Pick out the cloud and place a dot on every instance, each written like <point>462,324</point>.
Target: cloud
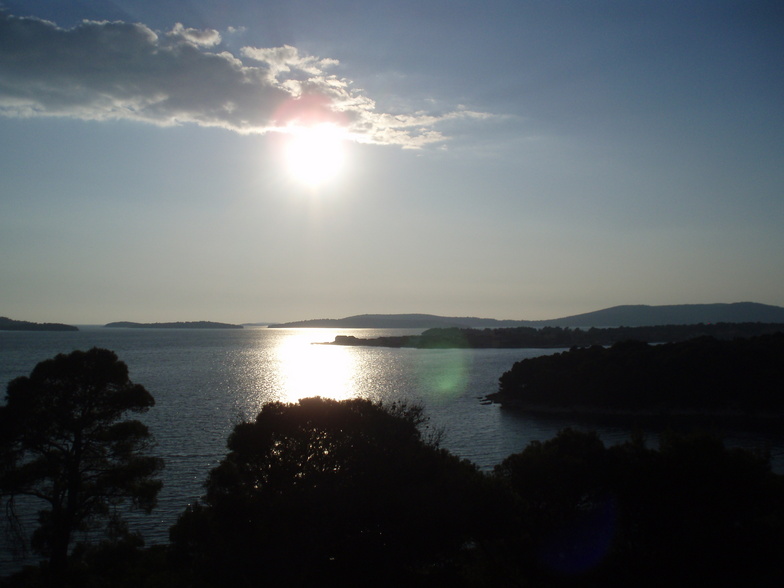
<point>287,58</point>
<point>118,70</point>
<point>206,38</point>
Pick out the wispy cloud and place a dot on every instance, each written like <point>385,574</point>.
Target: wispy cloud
<point>119,70</point>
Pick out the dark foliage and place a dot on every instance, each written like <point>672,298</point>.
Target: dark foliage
<point>63,443</point>
<point>690,513</point>
<point>744,376</point>
<point>560,337</point>
<point>352,493</point>
<point>326,492</point>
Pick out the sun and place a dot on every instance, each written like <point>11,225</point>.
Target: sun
<point>315,155</point>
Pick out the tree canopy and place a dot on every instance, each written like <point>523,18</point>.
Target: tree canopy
<point>744,376</point>
<point>322,491</point>
<point>63,442</point>
<point>354,493</point>
<point>692,511</point>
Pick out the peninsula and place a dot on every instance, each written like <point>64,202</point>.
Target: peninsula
<point>7,324</point>
<point>703,376</point>
<point>176,325</point>
<point>559,337</point>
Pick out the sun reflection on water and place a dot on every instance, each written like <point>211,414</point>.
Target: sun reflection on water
<point>284,365</point>
<point>308,370</point>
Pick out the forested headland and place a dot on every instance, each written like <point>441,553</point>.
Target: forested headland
<point>559,337</point>
<point>743,376</point>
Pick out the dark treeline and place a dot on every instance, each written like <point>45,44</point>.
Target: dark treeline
<point>556,337</point>
<point>353,493</point>
<point>689,513</point>
<point>742,376</point>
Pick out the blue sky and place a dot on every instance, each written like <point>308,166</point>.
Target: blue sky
<point>518,159</point>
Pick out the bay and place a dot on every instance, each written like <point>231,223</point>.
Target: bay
<point>206,381</point>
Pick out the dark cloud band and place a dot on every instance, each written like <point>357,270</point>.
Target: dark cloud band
<point>119,70</point>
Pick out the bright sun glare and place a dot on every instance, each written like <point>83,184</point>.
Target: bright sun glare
<point>315,155</point>
<point>315,370</point>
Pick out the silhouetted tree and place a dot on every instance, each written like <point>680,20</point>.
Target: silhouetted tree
<point>64,443</point>
<point>327,492</point>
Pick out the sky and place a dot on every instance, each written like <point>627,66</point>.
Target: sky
<point>251,161</point>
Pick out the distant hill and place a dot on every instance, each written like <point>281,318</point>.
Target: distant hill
<point>639,315</point>
<point>401,321</point>
<point>7,324</point>
<point>178,325</point>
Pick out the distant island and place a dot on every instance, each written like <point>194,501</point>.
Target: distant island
<point>558,337</point>
<point>703,376</point>
<point>639,315</point>
<point>7,324</point>
<point>397,321</point>
<point>177,325</point>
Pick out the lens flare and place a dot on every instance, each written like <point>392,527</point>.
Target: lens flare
<point>446,378</point>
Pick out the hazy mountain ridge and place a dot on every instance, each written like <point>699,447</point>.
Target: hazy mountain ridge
<point>639,315</point>
<point>174,325</point>
<point>400,321</point>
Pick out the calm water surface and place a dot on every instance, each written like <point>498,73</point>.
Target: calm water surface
<point>206,381</point>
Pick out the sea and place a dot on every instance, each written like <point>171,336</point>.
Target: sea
<point>206,381</point>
